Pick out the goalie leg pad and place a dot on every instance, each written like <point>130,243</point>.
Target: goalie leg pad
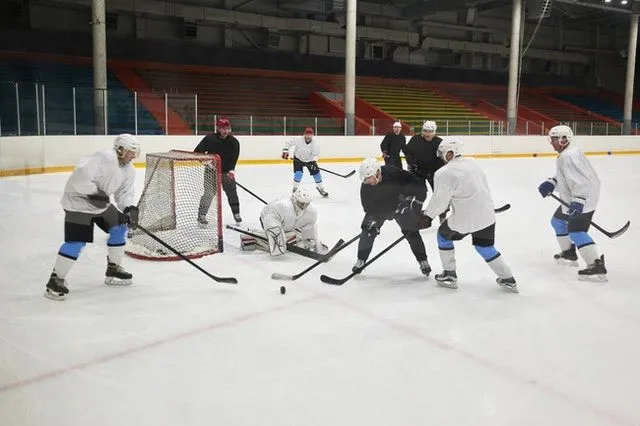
<point>277,243</point>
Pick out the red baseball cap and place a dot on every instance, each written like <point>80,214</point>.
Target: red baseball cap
<point>308,131</point>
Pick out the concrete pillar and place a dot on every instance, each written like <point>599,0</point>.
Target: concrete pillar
<point>99,66</point>
<point>631,67</point>
<point>350,69</point>
<point>514,72</point>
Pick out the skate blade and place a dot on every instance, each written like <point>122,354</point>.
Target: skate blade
<point>600,278</point>
<point>118,281</point>
<point>566,262</point>
<point>53,295</point>
<point>513,289</point>
<point>448,284</point>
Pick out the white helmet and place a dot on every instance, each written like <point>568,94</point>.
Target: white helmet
<point>452,144</point>
<point>127,142</point>
<point>430,126</point>
<point>561,131</point>
<point>301,197</point>
<point>369,167</point>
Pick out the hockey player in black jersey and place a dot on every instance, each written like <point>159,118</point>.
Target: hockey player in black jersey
<point>380,192</point>
<point>392,144</point>
<point>227,147</point>
<point>421,154</point>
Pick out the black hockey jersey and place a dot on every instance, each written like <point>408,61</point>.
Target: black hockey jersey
<point>383,198</point>
<point>228,149</point>
<point>392,144</point>
<point>422,155</point>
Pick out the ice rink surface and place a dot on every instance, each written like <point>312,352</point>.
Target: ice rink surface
<point>387,348</point>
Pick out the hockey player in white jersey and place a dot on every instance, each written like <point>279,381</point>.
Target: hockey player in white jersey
<point>289,220</point>
<point>306,152</point>
<point>462,184</point>
<point>578,185</point>
<point>86,201</point>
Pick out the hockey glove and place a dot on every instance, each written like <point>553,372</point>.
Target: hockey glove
<point>285,154</point>
<point>372,227</point>
<point>231,174</point>
<point>547,187</point>
<point>132,214</point>
<point>575,208</point>
<point>405,203</point>
<point>424,222</point>
<point>99,201</point>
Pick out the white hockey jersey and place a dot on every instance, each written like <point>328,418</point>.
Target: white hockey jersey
<point>283,213</point>
<point>303,151</point>
<point>576,179</point>
<point>462,184</point>
<point>99,173</point>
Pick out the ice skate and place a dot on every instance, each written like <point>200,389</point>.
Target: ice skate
<point>56,288</point>
<point>447,279</point>
<point>357,268</point>
<point>116,275</point>
<point>322,192</point>
<point>594,272</point>
<point>424,267</point>
<point>202,220</point>
<point>568,257</point>
<point>508,283</point>
<point>237,217</point>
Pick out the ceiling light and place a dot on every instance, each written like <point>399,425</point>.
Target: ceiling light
<point>607,1</point>
<point>623,2</point>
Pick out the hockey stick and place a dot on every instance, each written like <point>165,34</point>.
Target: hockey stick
<point>246,189</point>
<point>290,247</point>
<point>228,280</point>
<point>339,281</point>
<point>614,234</point>
<point>351,173</point>
<point>500,209</point>
<point>329,255</point>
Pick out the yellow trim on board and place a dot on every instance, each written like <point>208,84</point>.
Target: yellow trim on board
<point>62,169</point>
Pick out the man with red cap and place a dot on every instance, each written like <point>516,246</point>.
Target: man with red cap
<point>305,154</point>
<point>225,145</point>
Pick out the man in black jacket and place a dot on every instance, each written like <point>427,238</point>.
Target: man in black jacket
<point>379,194</point>
<point>421,154</point>
<point>392,144</point>
<point>227,147</point>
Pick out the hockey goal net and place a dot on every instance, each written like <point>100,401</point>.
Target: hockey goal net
<point>178,185</point>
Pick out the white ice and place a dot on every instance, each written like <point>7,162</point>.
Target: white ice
<point>387,348</point>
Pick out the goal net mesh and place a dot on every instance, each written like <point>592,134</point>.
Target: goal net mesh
<point>178,185</point>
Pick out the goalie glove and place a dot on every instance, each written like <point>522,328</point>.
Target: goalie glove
<point>314,245</point>
<point>285,154</point>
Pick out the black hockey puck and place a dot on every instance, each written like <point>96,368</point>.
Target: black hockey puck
<point>283,290</point>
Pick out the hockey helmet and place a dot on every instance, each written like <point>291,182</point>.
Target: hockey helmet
<point>397,124</point>
<point>452,144</point>
<point>127,142</point>
<point>301,197</point>
<point>369,167</point>
<point>429,126</point>
<point>308,131</point>
<point>223,122</point>
<point>560,132</point>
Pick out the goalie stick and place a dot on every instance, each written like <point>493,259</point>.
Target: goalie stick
<point>228,280</point>
<point>329,255</point>
<point>339,281</point>
<point>351,173</point>
<point>290,247</point>
<point>614,234</point>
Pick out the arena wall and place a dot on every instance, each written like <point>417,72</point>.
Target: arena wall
<point>46,154</point>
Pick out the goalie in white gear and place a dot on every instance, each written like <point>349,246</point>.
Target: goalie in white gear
<point>86,201</point>
<point>462,184</point>
<point>289,220</point>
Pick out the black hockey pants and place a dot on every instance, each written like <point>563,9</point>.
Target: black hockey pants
<point>408,225</point>
<point>228,186</point>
